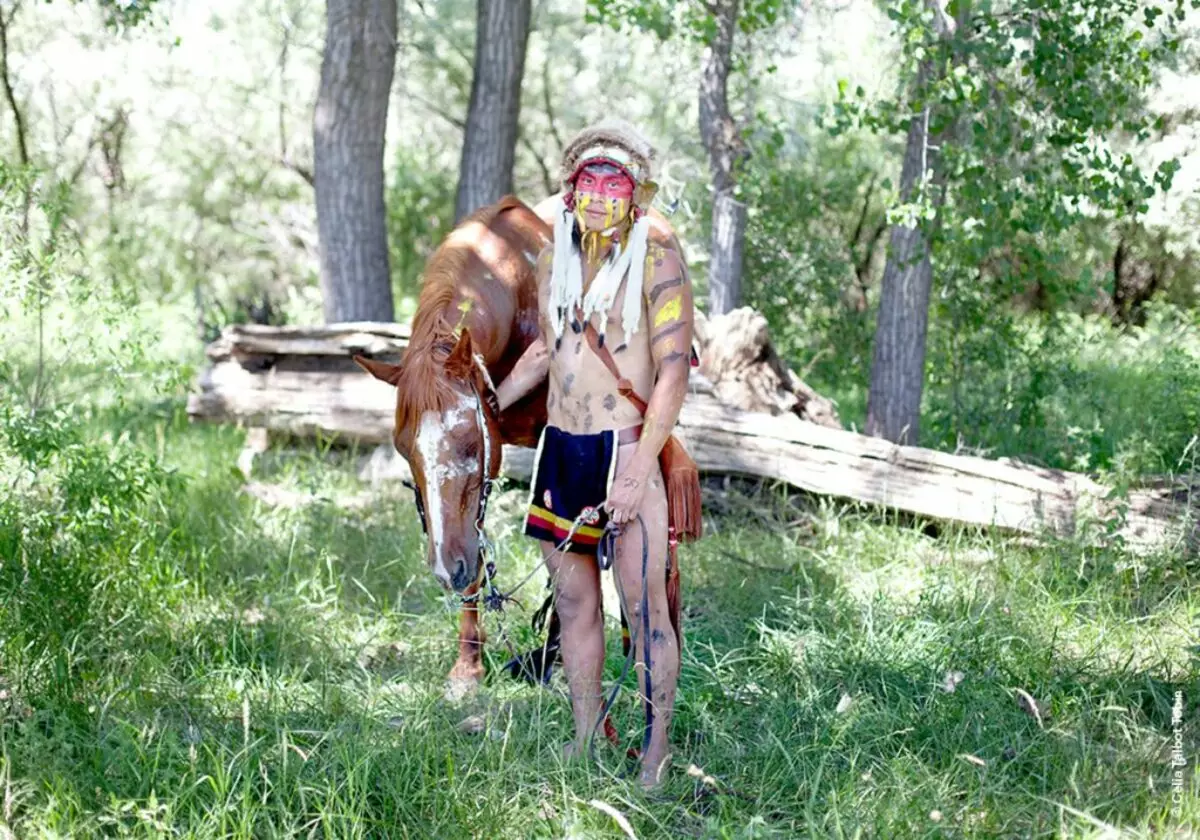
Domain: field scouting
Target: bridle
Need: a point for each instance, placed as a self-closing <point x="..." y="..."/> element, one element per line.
<point x="494" y="599"/>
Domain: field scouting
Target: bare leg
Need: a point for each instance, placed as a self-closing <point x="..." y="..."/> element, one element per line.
<point x="577" y="600"/>
<point x="664" y="647"/>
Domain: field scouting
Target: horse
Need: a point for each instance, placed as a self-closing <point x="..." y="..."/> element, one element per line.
<point x="476" y="315"/>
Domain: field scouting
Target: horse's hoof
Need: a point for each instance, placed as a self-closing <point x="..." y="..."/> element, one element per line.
<point x="460" y="687"/>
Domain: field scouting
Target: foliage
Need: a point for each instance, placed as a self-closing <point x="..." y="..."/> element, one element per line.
<point x="74" y="555"/>
<point x="693" y="19"/>
<point x="1034" y="111"/>
<point x="420" y="206"/>
<point x="125" y="13"/>
<point x="1071" y="392"/>
<point x="813" y="241"/>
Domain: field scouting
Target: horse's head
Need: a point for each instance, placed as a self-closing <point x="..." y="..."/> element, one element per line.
<point x="446" y="428"/>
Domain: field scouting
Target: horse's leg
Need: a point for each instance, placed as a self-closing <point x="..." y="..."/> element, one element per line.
<point x="467" y="674"/>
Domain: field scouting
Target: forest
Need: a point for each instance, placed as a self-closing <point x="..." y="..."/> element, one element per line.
<point x="972" y="231"/>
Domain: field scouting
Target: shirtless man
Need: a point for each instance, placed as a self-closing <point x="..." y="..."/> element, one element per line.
<point x="597" y="461"/>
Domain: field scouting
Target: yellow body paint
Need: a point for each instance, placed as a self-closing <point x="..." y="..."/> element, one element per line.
<point x="670" y="311"/>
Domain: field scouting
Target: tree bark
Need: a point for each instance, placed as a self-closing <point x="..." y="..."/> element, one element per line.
<point x="490" y="139"/>
<point x="349" y="123"/>
<point x="898" y="366"/>
<point x="725" y="151"/>
<point x="898" y="363"/>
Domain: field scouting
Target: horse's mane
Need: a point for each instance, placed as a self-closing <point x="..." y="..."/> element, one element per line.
<point x="425" y="383"/>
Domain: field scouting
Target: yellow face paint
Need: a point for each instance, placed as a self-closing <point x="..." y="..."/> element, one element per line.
<point x="581" y="204"/>
<point x="671" y="311"/>
<point x="615" y="209"/>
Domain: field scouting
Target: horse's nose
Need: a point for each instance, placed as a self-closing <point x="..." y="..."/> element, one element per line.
<point x="461" y="578"/>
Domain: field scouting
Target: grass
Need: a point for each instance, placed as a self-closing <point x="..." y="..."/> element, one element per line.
<point x="211" y="666"/>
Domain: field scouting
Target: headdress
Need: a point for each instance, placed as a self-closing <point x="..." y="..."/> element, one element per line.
<point x="618" y="143"/>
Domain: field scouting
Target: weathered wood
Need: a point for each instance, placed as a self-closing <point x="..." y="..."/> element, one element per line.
<point x="366" y="337"/>
<point x="328" y="397"/>
<point x="737" y="356"/>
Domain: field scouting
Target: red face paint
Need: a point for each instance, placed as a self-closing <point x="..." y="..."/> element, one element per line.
<point x="603" y="196"/>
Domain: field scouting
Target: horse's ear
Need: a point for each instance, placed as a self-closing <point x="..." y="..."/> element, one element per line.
<point x="385" y="371"/>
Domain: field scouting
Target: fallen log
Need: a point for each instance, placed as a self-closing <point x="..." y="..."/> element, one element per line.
<point x="254" y="380"/>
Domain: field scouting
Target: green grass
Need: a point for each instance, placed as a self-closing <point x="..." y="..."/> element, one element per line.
<point x="205" y="665"/>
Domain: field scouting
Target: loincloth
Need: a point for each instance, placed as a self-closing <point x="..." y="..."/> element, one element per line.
<point x="572" y="476"/>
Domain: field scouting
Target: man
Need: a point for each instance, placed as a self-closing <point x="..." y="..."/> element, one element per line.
<point x="603" y="284"/>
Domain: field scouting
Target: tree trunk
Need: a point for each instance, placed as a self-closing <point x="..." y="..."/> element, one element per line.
<point x="898" y="365"/>
<point x="725" y="263"/>
<point x="725" y="150"/>
<point x="349" y="122"/>
<point x="490" y="139"/>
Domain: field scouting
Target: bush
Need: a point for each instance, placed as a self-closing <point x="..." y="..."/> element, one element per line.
<point x="77" y="547"/>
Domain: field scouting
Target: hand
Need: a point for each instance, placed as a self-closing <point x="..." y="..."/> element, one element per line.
<point x="629" y="488"/>
<point x="526" y="374"/>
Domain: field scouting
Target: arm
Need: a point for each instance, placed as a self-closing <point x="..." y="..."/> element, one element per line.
<point x="671" y="317"/>
<point x="527" y="374"/>
<point x="534" y="364"/>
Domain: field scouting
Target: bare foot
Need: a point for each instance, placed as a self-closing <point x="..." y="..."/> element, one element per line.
<point x="572" y="752"/>
<point x="654" y="773"/>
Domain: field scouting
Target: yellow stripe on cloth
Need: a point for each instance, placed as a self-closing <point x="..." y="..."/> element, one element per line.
<point x="565" y="524"/>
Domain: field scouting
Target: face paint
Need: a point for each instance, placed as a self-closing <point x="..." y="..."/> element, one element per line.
<point x="608" y="190"/>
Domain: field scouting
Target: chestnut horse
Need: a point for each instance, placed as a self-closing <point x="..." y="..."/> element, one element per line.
<point x="476" y="315"/>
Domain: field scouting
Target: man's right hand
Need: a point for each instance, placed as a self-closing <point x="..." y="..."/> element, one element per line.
<point x="527" y="374"/>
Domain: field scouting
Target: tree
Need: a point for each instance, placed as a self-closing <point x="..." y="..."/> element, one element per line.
<point x="1014" y="116"/>
<point x="898" y="364"/>
<point x="490" y="136"/>
<point x="723" y="142"/>
<point x="349" y="122"/>
<point x="713" y="24"/>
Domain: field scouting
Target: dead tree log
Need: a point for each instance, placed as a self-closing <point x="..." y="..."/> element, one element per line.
<point x="256" y="380"/>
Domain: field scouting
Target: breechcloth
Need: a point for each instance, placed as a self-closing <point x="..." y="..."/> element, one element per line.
<point x="572" y="475"/>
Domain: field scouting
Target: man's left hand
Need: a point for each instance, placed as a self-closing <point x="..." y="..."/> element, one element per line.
<point x="628" y="489"/>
